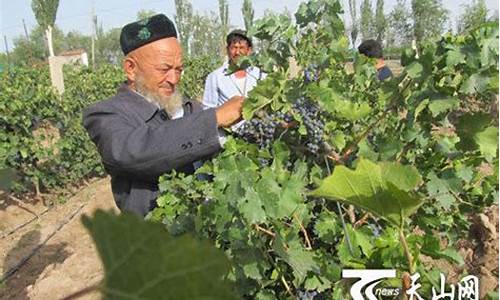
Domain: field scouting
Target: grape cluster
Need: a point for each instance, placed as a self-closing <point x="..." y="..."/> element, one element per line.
<point x="311" y="119"/>
<point x="307" y="295"/>
<point x="311" y="73"/>
<point x="262" y="130"/>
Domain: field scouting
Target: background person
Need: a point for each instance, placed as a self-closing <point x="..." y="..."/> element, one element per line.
<point x="221" y="85"/>
<point x="373" y="49"/>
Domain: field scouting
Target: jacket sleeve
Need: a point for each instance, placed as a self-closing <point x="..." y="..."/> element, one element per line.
<point x="146" y="151"/>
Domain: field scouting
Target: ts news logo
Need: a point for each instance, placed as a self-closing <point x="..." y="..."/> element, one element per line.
<point x="369" y="279"/>
<point x="466" y="289"/>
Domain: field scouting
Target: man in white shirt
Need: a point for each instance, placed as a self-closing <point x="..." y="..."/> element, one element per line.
<point x="221" y="85"/>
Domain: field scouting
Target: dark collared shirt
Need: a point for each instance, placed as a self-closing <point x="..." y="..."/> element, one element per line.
<point x="384" y="73"/>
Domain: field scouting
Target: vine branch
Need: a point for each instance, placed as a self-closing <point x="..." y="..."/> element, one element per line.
<point x="287" y="287"/>
<point x="406" y="249"/>
<point x="304" y="232"/>
<point x="362" y="221"/>
<point x="262" y="229"/>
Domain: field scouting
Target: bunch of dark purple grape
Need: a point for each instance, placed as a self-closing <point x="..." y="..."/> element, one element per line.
<point x="262" y="130"/>
<point x="311" y="118"/>
<point x="307" y="295"/>
<point x="311" y="73"/>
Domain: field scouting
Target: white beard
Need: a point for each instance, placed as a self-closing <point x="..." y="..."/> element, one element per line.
<point x="172" y="104"/>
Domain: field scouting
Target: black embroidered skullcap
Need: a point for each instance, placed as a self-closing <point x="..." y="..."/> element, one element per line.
<point x="140" y="33"/>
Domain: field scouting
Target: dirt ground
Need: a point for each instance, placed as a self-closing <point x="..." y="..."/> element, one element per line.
<point x="68" y="262"/>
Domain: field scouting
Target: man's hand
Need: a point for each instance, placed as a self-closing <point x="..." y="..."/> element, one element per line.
<point x="230" y="112"/>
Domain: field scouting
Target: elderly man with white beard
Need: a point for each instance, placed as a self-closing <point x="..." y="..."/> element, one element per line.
<point x="147" y="129"/>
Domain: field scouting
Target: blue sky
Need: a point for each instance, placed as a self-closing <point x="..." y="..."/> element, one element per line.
<point x="75" y="14"/>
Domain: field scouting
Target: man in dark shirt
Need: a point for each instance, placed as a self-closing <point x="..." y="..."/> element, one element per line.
<point x="147" y="129"/>
<point x="373" y="49"/>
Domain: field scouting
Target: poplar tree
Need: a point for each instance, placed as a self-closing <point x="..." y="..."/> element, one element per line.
<point x="248" y="13"/>
<point x="366" y="21"/>
<point x="183" y="19"/>
<point x="429" y="18"/>
<point x="354" y="22"/>
<point x="474" y="15"/>
<point x="45" y="13"/>
<point x="380" y="21"/>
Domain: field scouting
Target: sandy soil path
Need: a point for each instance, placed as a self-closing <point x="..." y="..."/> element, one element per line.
<point x="68" y="262"/>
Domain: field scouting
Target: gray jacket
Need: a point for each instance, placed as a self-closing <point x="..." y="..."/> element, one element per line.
<point x="138" y="143"/>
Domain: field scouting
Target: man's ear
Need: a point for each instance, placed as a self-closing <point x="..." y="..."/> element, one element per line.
<point x="250" y="49"/>
<point x="130" y="68"/>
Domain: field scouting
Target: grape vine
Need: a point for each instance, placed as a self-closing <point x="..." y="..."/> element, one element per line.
<point x="417" y="156"/>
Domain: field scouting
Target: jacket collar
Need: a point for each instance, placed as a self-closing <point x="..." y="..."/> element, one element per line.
<point x="137" y="103"/>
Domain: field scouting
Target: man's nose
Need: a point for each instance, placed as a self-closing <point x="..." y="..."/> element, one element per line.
<point x="173" y="77"/>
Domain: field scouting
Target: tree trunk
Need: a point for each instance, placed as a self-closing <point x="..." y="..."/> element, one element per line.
<point x="48" y="32"/>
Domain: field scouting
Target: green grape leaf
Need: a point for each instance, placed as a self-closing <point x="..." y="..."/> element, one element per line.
<point x="265" y="295"/>
<point x="454" y="57"/>
<point x="466" y="173"/>
<point x="352" y="111"/>
<point x="420" y="107"/>
<point x="414" y="70"/>
<point x="251" y="208"/>
<point x="441" y="188"/>
<point x="264" y="93"/>
<point x="269" y="191"/>
<point x="280" y="198"/>
<point x="291" y="195"/>
<point x="489" y="50"/>
<point x="242" y="63"/>
<point x="366" y="150"/>
<point x="352" y="260"/>
<point x="432" y="248"/>
<point x="476" y="83"/>
<point x="362" y="239"/>
<point x="251" y="260"/>
<point x="445" y="201"/>
<point x="404" y="177"/>
<point x="492" y="296"/>
<point x="338" y="140"/>
<point x="442" y="105"/>
<point x="297" y="257"/>
<point x="494" y="82"/>
<point x="368" y="188"/>
<point x="142" y="261"/>
<point x="327" y="228"/>
<point x="487" y="140"/>
<point x="389" y="148"/>
<point x="333" y="101"/>
<point x="475" y="133"/>
<point x="452" y="255"/>
<point x="317" y="283"/>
